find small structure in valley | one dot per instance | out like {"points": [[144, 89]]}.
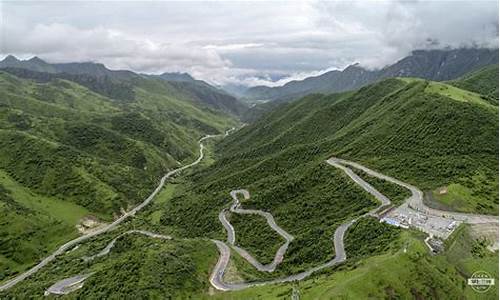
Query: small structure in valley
{"points": [[394, 222]]}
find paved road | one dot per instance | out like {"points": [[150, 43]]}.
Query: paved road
{"points": [[365, 185], [416, 200], [110, 226], [217, 276], [111, 244], [236, 208]]}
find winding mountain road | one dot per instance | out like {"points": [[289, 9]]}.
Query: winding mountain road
{"points": [[415, 201], [112, 225], [235, 208], [217, 276]]}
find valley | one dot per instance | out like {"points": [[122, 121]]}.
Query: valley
{"points": [[292, 202]]}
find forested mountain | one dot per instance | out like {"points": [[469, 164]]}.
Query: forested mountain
{"points": [[430, 134], [104, 85], [203, 93], [67, 152], [435, 65], [427, 133], [119, 85], [483, 81]]}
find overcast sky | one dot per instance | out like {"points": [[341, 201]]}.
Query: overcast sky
{"points": [[241, 42]]}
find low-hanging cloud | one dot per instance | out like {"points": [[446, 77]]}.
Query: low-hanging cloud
{"points": [[254, 43]]}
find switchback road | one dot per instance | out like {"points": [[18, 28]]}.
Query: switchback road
{"points": [[415, 201]]}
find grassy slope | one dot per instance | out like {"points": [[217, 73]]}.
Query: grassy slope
{"points": [[309, 206], [483, 81], [286, 175], [144, 267], [403, 128], [408, 129], [31, 224], [75, 152], [394, 273]]}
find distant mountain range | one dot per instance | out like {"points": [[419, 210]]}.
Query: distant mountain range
{"points": [[181, 77], [88, 68], [119, 84], [438, 65]]}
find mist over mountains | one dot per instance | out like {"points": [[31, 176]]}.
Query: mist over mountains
{"points": [[436, 65]]}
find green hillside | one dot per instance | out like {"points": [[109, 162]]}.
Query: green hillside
{"points": [[429, 134], [426, 133], [137, 267], [483, 81], [121, 85], [403, 128], [403, 270], [78, 153]]}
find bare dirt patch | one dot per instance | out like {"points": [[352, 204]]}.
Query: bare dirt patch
{"points": [[88, 224], [488, 231]]}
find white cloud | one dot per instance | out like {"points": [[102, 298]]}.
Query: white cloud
{"points": [[241, 42]]}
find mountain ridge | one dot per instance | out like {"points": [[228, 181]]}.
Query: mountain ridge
{"points": [[120, 84], [438, 65]]}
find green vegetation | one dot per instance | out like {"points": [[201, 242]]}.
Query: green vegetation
{"points": [[67, 152], [308, 201], [254, 235], [483, 81], [240, 270], [466, 195], [148, 269], [137, 267], [397, 194], [397, 127], [454, 93], [405, 271], [401, 128], [469, 253], [62, 210], [30, 225], [428, 134], [105, 86], [368, 237]]}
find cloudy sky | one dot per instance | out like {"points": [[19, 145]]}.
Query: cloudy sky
{"points": [[246, 43]]}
